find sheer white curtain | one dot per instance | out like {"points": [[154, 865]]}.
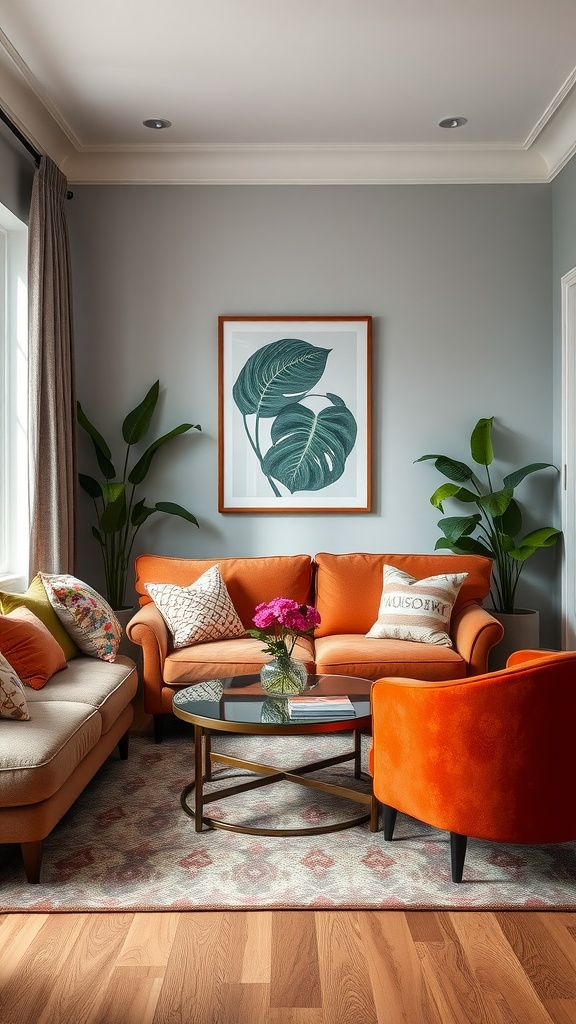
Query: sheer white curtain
{"points": [[52, 392]]}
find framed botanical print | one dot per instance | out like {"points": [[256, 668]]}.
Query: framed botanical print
{"points": [[294, 413]]}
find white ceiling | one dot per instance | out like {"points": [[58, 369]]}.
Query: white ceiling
{"points": [[293, 90]]}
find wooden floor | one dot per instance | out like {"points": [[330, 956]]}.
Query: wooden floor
{"points": [[288, 967]]}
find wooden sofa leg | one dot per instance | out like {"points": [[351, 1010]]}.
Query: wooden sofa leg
{"points": [[123, 743], [158, 728], [32, 857], [457, 855], [389, 820]]}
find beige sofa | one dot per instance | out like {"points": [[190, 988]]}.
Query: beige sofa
{"points": [[346, 589], [76, 720]]}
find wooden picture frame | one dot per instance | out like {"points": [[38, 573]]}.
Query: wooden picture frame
{"points": [[294, 414]]}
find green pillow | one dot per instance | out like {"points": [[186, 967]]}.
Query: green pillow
{"points": [[36, 599]]}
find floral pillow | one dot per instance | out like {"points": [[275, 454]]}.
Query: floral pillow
{"points": [[84, 613], [12, 699], [417, 610], [203, 611]]}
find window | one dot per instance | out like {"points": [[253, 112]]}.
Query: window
{"points": [[14, 517]]}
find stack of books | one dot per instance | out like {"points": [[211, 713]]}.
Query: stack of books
{"points": [[320, 707]]}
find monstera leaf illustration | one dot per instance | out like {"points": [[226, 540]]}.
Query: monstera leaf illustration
{"points": [[309, 449], [278, 374]]}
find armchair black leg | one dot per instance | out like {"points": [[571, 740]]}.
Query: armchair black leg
{"points": [[158, 728], [457, 855], [389, 820]]}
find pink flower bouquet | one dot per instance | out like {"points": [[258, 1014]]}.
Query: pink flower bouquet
{"points": [[280, 622]]}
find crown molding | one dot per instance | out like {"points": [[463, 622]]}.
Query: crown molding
{"points": [[548, 148], [259, 164], [22, 99]]}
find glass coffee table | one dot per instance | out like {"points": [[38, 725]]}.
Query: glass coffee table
{"points": [[239, 705]]}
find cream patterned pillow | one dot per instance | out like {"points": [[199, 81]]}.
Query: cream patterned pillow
{"points": [[12, 699], [203, 611], [85, 615], [417, 610]]}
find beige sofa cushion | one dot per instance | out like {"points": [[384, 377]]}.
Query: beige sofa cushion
{"points": [[36, 757], [102, 685]]}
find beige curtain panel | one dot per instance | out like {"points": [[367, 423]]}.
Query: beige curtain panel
{"points": [[52, 392]]}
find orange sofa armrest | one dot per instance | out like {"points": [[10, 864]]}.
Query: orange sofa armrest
{"points": [[148, 629], [474, 633]]}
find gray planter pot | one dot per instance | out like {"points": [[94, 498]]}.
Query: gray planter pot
{"points": [[521, 632], [127, 648]]}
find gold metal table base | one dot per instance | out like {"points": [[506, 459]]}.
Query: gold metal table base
{"points": [[204, 757]]}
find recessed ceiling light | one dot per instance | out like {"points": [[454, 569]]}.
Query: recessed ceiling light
{"points": [[452, 122], [157, 122]]}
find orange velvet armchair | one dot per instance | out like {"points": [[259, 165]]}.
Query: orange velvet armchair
{"points": [[489, 757]]}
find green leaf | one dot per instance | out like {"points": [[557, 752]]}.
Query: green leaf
{"points": [[140, 513], [137, 422], [115, 515], [481, 442], [513, 479], [496, 503], [103, 453], [176, 510], [511, 520], [139, 471], [277, 375], [90, 485], [465, 546], [96, 533], [455, 527], [453, 469], [451, 491], [309, 450], [545, 537]]}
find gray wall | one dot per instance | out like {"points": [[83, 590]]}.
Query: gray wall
{"points": [[16, 175], [458, 280]]}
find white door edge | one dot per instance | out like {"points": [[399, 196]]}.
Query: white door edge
{"points": [[568, 285]]}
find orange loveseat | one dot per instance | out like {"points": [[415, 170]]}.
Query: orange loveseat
{"points": [[346, 589]]}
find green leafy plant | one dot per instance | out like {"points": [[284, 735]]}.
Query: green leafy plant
{"points": [[498, 522], [119, 515], [309, 449]]}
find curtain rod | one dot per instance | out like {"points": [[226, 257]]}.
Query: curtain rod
{"points": [[25, 142], [21, 138]]}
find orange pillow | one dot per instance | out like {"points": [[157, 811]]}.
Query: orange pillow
{"points": [[30, 648]]}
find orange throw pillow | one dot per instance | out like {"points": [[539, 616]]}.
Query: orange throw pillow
{"points": [[30, 648]]}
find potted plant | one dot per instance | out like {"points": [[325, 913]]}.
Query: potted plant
{"points": [[495, 528], [119, 515]]}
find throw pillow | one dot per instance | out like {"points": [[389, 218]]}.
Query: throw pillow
{"points": [[36, 599], [30, 648], [86, 616], [418, 610], [12, 699], [203, 611]]}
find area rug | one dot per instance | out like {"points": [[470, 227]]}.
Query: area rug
{"points": [[127, 845]]}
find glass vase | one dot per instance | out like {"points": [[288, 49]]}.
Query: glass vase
{"points": [[283, 677]]}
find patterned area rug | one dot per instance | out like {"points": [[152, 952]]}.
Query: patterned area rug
{"points": [[127, 845]]}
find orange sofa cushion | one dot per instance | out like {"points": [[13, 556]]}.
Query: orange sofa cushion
{"points": [[355, 655], [250, 581], [349, 586]]}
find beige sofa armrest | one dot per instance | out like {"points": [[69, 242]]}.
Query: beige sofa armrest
{"points": [[474, 633], [148, 629]]}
